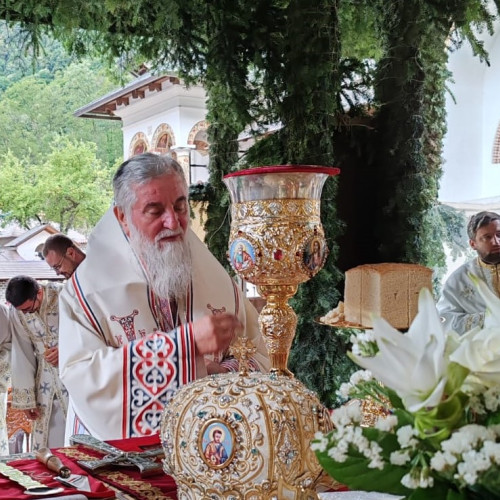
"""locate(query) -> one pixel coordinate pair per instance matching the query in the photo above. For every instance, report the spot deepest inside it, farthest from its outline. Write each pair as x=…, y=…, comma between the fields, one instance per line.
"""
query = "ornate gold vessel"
x=277, y=242
x=247, y=436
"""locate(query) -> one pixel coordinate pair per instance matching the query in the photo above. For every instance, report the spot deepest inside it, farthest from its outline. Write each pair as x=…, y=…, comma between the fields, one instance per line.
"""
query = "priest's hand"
x=213, y=367
x=32, y=414
x=52, y=356
x=214, y=332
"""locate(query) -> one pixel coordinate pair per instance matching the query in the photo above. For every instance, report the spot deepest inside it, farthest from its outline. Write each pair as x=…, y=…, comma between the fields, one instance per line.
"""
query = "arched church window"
x=198, y=137
x=138, y=144
x=201, y=142
x=139, y=148
x=198, y=156
x=164, y=143
x=163, y=139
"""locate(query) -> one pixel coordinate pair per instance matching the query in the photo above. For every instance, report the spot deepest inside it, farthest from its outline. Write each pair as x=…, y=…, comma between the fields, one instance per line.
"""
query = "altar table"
x=114, y=483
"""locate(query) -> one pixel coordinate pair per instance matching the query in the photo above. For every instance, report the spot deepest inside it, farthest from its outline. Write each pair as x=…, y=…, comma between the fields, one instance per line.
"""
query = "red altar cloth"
x=128, y=480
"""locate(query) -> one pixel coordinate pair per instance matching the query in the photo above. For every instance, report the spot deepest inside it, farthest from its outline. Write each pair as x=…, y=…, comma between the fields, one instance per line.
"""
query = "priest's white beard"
x=168, y=265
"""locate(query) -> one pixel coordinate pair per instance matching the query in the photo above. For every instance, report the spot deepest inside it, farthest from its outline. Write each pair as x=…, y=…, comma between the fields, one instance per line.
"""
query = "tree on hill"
x=17, y=57
x=34, y=111
x=71, y=188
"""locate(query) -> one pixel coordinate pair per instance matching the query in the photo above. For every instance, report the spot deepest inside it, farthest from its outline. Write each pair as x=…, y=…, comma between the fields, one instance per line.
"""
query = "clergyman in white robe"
x=460, y=305
x=5, y=348
x=35, y=382
x=123, y=353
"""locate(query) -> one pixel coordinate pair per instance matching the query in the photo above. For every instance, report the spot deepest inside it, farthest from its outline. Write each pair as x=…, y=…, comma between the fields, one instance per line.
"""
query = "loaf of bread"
x=389, y=290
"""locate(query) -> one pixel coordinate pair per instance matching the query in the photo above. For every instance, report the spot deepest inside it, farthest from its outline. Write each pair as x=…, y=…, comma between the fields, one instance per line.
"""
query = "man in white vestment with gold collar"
x=461, y=306
x=149, y=310
x=36, y=386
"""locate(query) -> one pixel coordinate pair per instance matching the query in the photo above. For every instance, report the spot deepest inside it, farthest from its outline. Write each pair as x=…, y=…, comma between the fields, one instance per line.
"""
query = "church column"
x=183, y=155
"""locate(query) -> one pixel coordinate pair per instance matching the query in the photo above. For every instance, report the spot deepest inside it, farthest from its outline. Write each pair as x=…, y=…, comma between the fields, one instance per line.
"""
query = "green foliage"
x=360, y=37
x=18, y=60
x=34, y=111
x=71, y=188
x=447, y=226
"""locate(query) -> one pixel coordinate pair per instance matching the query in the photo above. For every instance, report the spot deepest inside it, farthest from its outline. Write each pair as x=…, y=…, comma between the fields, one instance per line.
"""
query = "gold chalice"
x=277, y=242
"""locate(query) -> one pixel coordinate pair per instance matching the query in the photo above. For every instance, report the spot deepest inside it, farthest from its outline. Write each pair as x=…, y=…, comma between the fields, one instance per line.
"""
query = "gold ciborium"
x=277, y=242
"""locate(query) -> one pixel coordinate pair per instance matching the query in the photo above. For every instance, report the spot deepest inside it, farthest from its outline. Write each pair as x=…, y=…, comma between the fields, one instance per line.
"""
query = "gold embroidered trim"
x=494, y=269
x=140, y=487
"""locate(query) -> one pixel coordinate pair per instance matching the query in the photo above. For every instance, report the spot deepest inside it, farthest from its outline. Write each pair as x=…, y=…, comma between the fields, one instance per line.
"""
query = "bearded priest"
x=149, y=310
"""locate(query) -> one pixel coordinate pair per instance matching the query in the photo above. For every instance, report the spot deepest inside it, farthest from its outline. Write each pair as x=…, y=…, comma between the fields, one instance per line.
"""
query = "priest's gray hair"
x=138, y=170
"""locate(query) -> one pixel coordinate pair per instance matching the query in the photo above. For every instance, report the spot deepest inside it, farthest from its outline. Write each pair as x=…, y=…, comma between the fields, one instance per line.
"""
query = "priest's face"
x=156, y=225
x=487, y=242
x=63, y=264
x=160, y=211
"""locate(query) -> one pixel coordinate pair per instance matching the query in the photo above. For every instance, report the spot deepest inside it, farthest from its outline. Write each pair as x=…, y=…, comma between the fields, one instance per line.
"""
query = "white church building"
x=159, y=114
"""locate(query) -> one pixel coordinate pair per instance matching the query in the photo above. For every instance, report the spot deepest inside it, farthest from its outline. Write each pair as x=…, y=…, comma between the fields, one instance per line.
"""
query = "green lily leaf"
x=456, y=376
x=355, y=474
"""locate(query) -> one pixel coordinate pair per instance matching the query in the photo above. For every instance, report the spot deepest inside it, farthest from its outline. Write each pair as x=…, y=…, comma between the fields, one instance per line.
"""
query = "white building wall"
x=491, y=118
x=27, y=250
x=472, y=121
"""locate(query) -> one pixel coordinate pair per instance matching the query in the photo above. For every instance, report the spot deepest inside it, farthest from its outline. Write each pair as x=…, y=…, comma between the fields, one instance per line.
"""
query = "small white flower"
x=344, y=390
x=348, y=414
x=443, y=460
x=355, y=349
x=426, y=481
x=409, y=481
x=492, y=398
x=476, y=404
x=400, y=457
x=492, y=450
x=361, y=376
x=386, y=423
x=337, y=454
x=366, y=336
x=405, y=436
x=418, y=478
x=321, y=443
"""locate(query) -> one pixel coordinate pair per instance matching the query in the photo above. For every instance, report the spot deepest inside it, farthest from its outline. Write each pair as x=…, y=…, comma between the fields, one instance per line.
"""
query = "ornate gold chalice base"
x=247, y=435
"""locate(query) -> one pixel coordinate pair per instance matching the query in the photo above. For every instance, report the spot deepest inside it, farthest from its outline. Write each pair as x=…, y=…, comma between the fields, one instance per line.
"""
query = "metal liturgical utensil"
x=53, y=463
x=31, y=486
x=144, y=460
x=77, y=481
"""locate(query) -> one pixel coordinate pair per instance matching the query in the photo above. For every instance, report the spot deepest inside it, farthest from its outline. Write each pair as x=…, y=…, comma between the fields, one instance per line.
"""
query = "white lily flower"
x=412, y=363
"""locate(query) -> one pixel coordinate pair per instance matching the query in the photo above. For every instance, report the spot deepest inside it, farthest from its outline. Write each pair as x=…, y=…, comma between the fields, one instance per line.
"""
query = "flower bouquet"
x=439, y=436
